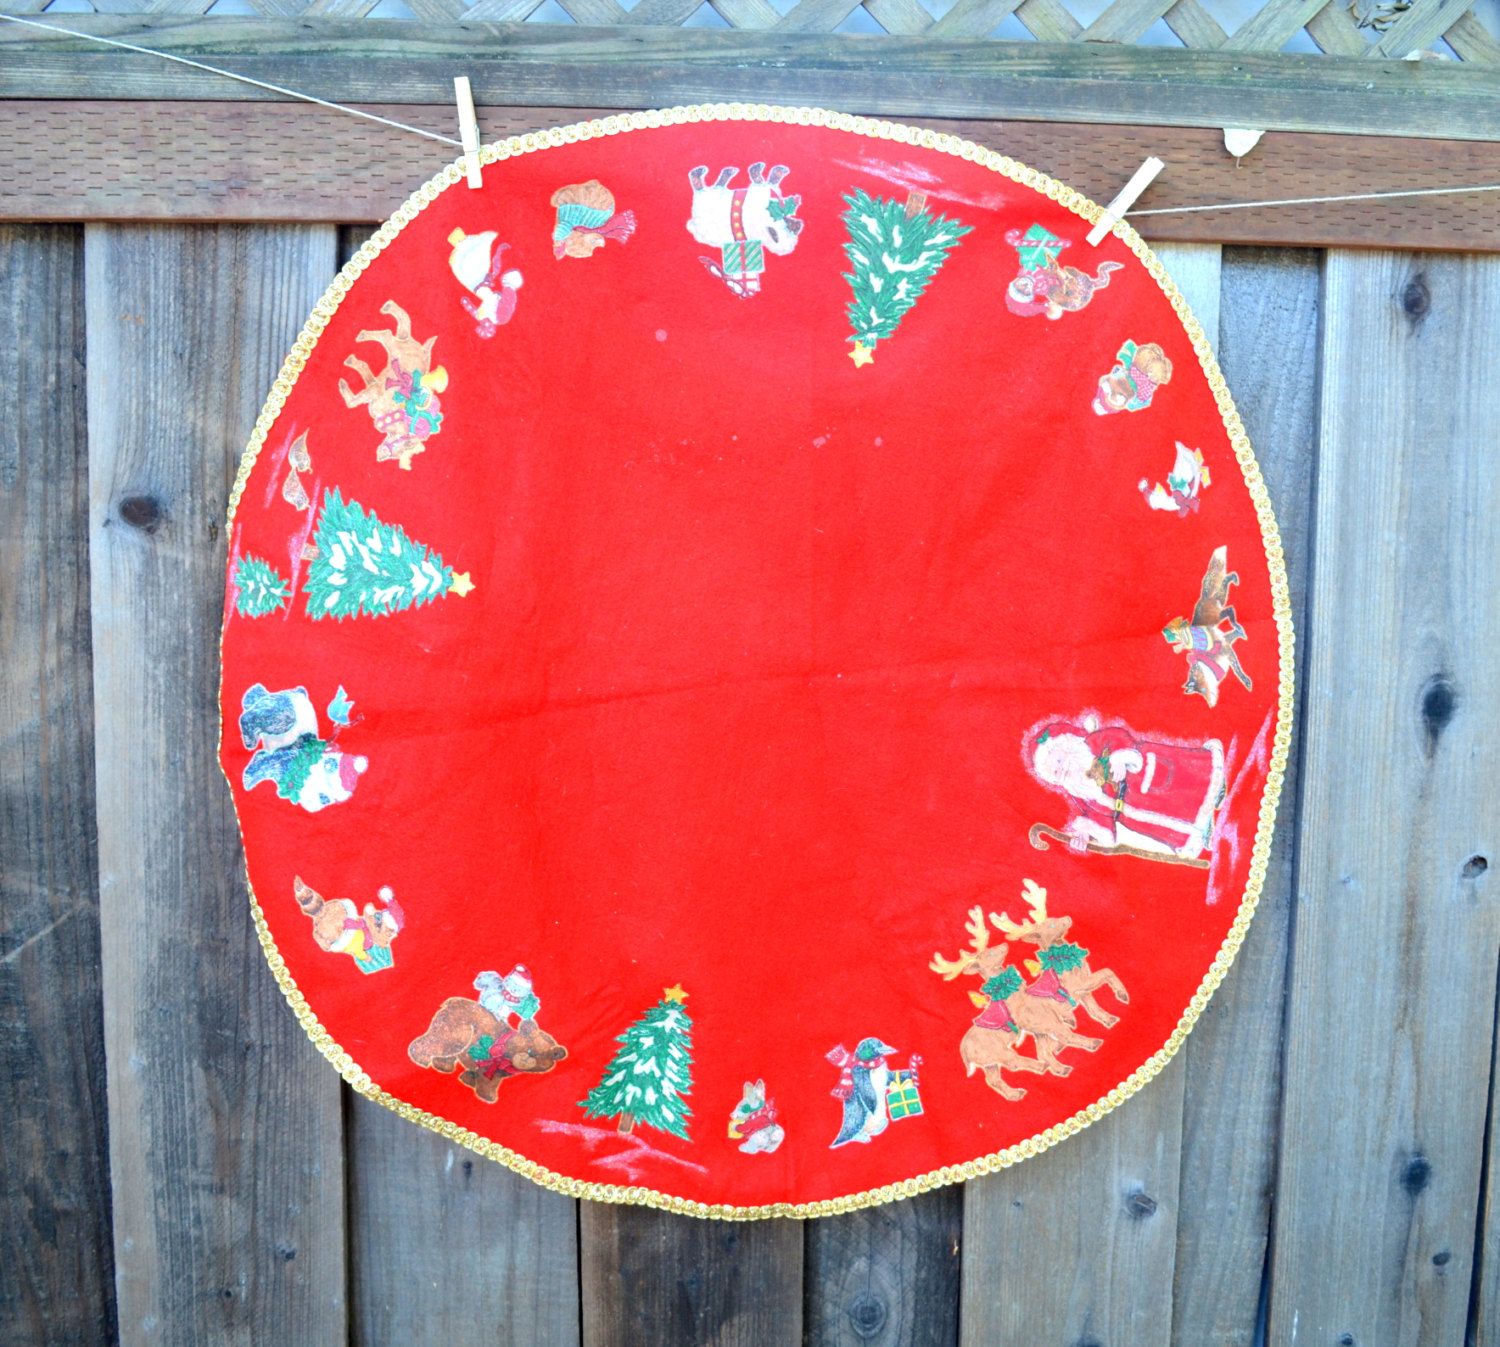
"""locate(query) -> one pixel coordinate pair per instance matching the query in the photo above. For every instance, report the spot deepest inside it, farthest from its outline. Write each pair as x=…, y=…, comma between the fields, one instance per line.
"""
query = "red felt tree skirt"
x=756, y=667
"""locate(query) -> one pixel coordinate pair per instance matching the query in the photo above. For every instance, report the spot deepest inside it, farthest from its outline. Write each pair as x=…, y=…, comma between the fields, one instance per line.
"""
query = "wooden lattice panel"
x=1349, y=28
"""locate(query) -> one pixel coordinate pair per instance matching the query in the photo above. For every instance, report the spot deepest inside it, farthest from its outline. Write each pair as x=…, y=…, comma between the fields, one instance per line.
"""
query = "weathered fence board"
x=1111, y=1278
x=226, y=1148
x=1268, y=347
x=1076, y=1246
x=447, y=1248
x=390, y=61
x=254, y=161
x=57, y=1283
x=886, y=1276
x=649, y=1277
x=1392, y=999
x=1484, y=1304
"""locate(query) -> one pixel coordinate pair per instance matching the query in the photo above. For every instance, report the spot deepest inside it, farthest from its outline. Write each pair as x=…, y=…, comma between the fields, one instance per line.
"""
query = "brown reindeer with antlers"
x=402, y=399
x=1011, y=1012
x=1060, y=965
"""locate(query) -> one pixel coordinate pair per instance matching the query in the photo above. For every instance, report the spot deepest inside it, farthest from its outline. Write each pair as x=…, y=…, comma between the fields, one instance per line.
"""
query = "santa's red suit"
x=1128, y=791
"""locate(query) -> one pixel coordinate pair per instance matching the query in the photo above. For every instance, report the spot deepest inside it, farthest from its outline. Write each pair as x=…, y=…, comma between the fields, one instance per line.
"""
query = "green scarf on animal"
x=576, y=215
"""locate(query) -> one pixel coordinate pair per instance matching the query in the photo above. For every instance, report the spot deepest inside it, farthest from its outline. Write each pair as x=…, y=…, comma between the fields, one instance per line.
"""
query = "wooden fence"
x=178, y=1165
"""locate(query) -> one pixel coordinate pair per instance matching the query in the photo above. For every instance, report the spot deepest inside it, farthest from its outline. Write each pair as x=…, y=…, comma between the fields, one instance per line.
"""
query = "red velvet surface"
x=738, y=699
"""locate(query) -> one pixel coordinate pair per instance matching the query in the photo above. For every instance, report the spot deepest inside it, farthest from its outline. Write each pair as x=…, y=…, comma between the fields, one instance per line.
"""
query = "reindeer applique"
x=1011, y=1012
x=1060, y=967
x=403, y=398
x=1208, y=638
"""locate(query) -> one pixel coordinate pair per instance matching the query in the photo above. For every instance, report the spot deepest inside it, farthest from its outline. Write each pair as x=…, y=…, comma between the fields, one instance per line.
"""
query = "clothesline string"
x=451, y=140
x=1319, y=200
x=233, y=75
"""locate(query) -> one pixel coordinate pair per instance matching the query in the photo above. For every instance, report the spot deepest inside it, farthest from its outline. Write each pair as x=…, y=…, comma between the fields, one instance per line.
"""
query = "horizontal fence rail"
x=294, y=162
x=621, y=66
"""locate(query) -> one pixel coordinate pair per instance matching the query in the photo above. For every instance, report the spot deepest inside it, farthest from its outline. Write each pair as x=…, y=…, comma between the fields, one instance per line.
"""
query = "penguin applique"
x=862, y=1087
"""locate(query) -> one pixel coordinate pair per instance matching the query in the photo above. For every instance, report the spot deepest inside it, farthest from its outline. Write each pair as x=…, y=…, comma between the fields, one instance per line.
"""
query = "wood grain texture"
x=1269, y=353
x=1473, y=41
x=243, y=161
x=817, y=16
x=652, y=1279
x=1048, y=20
x=1125, y=20
x=1392, y=999
x=1336, y=31
x=972, y=18
x=1272, y=24
x=1195, y=25
x=887, y=1276
x=225, y=1138
x=907, y=17
x=379, y=60
x=1076, y=1246
x=1087, y=1232
x=447, y=1248
x=58, y=1280
x=1419, y=27
x=1484, y=1300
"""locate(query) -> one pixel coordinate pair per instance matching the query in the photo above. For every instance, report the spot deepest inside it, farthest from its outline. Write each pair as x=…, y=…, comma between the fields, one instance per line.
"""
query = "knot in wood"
x=1416, y=298
x=1439, y=702
x=141, y=512
x=867, y=1315
x=1416, y=1174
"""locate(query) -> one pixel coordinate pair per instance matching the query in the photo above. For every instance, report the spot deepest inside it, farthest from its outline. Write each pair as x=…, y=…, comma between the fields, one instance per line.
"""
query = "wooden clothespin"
x=468, y=128
x=1141, y=179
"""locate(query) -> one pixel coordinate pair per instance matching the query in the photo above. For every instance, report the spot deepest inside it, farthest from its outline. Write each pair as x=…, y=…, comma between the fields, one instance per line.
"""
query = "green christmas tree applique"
x=651, y=1072
x=259, y=590
x=895, y=249
x=365, y=567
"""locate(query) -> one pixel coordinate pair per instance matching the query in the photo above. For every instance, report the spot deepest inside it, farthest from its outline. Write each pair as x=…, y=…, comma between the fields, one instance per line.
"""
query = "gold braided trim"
x=1087, y=210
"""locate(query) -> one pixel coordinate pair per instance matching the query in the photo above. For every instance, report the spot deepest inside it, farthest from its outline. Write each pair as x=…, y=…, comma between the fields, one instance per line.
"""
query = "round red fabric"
x=755, y=663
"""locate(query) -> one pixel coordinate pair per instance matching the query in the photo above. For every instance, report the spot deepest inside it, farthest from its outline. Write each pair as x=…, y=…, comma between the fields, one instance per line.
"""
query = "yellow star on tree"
x=460, y=584
x=861, y=354
x=674, y=994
